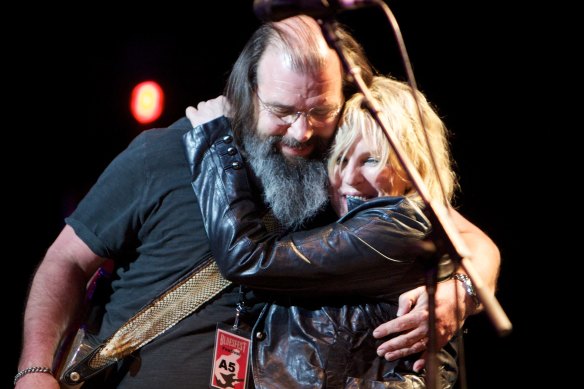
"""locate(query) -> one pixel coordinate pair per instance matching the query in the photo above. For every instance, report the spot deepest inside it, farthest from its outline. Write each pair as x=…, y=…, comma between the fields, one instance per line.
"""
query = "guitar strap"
x=179, y=301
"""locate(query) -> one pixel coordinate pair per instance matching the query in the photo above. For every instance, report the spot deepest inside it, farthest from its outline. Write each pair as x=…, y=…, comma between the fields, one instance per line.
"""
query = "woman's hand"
x=208, y=110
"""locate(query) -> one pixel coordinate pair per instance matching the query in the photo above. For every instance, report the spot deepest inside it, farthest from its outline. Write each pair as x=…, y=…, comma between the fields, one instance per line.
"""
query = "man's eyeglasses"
x=316, y=115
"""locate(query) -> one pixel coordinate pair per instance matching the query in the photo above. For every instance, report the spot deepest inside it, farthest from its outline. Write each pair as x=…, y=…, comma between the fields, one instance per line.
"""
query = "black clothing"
x=143, y=214
x=368, y=258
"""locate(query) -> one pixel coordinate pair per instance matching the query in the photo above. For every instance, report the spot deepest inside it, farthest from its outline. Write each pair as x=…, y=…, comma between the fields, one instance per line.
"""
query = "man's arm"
x=56, y=294
x=486, y=257
x=412, y=323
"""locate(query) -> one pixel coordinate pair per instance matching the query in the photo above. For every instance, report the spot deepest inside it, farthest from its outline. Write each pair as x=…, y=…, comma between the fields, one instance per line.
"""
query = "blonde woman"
x=362, y=164
x=320, y=335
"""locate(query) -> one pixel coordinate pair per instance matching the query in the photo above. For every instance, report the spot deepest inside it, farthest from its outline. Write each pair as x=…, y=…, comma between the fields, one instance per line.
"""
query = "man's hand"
x=207, y=110
x=412, y=321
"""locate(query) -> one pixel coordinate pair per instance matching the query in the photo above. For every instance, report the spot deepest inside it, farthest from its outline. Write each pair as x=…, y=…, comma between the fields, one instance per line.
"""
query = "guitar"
x=81, y=340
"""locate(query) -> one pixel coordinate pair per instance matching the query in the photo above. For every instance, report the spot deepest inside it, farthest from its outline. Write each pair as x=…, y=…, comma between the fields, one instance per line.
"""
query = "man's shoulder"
x=176, y=129
x=157, y=139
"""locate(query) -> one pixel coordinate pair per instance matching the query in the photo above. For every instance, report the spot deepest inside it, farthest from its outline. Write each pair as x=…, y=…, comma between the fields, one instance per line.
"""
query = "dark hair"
x=302, y=48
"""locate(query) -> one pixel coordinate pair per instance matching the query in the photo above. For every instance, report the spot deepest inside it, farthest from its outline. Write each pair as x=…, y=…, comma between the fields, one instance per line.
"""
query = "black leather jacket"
x=345, y=278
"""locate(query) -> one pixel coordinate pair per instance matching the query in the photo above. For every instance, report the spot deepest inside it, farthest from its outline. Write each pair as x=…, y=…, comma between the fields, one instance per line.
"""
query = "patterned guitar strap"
x=199, y=286
x=185, y=297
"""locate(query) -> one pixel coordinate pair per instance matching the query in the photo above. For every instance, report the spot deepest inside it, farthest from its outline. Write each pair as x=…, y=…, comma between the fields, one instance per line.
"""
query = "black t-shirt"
x=142, y=213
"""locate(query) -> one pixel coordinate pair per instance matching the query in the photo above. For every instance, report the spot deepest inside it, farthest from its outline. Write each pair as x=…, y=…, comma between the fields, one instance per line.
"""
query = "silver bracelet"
x=468, y=287
x=29, y=370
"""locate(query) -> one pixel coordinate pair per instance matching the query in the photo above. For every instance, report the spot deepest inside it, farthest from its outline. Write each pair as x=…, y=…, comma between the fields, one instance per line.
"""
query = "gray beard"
x=294, y=188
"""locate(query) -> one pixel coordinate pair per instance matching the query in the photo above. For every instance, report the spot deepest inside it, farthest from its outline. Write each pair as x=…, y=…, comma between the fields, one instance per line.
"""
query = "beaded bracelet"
x=28, y=370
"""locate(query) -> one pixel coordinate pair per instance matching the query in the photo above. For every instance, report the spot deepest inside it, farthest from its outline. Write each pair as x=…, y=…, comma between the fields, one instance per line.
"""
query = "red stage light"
x=147, y=102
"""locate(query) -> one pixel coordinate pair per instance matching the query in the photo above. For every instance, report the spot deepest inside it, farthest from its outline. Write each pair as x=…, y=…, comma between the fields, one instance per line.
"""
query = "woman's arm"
x=363, y=266
x=374, y=251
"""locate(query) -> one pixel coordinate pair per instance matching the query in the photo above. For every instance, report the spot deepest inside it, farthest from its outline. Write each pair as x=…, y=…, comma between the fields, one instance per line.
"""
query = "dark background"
x=69, y=80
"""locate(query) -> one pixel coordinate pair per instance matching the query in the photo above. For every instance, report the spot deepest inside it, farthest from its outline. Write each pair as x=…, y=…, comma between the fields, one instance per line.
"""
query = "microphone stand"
x=445, y=235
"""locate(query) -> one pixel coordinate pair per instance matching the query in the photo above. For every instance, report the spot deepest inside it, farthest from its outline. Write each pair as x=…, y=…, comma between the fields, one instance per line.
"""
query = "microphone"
x=274, y=10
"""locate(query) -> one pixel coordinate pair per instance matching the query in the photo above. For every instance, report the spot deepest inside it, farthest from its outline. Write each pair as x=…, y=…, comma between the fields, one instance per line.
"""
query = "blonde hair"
x=398, y=108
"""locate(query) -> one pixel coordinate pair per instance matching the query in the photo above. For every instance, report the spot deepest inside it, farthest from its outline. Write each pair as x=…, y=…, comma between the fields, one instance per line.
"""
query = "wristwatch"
x=468, y=286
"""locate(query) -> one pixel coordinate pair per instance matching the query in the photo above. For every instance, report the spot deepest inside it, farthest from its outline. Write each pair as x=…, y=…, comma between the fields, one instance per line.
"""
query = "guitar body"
x=81, y=340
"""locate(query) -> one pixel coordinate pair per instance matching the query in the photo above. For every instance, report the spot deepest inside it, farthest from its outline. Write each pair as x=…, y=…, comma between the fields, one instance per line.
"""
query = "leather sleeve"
x=375, y=250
